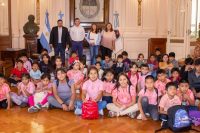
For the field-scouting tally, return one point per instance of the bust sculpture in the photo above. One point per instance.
(31, 28)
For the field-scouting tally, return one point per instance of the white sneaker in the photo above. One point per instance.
(101, 112)
(147, 114)
(78, 111)
(139, 117)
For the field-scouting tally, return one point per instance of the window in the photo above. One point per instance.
(195, 18)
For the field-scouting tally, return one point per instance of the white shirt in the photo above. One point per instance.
(59, 34)
(77, 33)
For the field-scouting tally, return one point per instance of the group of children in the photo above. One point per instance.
(123, 87)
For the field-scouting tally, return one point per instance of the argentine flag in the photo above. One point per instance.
(44, 38)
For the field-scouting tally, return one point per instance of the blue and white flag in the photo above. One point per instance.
(60, 15)
(44, 38)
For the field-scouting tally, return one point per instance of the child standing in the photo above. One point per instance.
(100, 71)
(170, 99)
(161, 82)
(43, 90)
(35, 73)
(133, 74)
(92, 89)
(148, 100)
(108, 85)
(45, 64)
(26, 88)
(124, 98)
(144, 72)
(16, 73)
(5, 101)
(185, 94)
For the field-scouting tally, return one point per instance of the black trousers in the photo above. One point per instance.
(105, 51)
(3, 104)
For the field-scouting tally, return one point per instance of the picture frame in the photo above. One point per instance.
(90, 11)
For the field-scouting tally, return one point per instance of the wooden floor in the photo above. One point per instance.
(18, 120)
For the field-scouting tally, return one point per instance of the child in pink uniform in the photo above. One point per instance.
(26, 88)
(170, 99)
(108, 85)
(44, 89)
(185, 94)
(4, 93)
(124, 98)
(92, 89)
(75, 74)
(148, 100)
(133, 74)
(142, 76)
(160, 84)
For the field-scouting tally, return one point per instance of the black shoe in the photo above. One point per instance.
(23, 105)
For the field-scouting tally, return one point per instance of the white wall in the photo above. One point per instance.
(154, 20)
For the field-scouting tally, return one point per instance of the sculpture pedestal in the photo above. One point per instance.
(31, 44)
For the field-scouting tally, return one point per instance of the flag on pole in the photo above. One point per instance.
(60, 15)
(44, 38)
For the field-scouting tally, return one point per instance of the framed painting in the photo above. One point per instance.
(89, 11)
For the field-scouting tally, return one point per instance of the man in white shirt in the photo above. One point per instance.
(59, 40)
(77, 34)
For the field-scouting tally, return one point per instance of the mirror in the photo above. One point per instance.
(4, 21)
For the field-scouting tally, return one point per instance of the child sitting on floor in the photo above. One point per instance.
(43, 90)
(119, 66)
(142, 75)
(107, 62)
(133, 74)
(5, 101)
(35, 73)
(45, 65)
(26, 88)
(124, 98)
(140, 60)
(92, 89)
(175, 75)
(100, 71)
(153, 65)
(73, 57)
(26, 62)
(126, 60)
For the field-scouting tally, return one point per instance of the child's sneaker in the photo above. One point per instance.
(39, 106)
(139, 117)
(101, 112)
(147, 114)
(78, 111)
(132, 115)
(33, 109)
(112, 114)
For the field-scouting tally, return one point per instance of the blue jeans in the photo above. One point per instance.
(78, 46)
(108, 99)
(93, 53)
(101, 105)
(53, 102)
(149, 108)
(59, 49)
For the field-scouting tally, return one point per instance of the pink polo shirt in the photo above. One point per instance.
(161, 86)
(92, 88)
(166, 102)
(108, 86)
(151, 95)
(141, 80)
(75, 75)
(134, 79)
(4, 89)
(189, 93)
(30, 87)
(123, 95)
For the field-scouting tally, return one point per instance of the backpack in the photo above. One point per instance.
(178, 120)
(195, 117)
(90, 110)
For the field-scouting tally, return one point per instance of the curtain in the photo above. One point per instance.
(4, 23)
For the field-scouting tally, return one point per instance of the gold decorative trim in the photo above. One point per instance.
(139, 12)
(176, 40)
(38, 12)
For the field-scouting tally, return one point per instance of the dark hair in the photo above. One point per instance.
(98, 63)
(133, 64)
(92, 68)
(44, 50)
(172, 54)
(46, 75)
(140, 54)
(91, 29)
(2, 76)
(19, 61)
(119, 56)
(183, 81)
(72, 65)
(152, 55)
(76, 19)
(58, 58)
(83, 61)
(125, 53)
(117, 83)
(167, 56)
(189, 61)
(108, 71)
(26, 75)
(59, 20)
(106, 29)
(73, 52)
(60, 69)
(98, 56)
(197, 62)
(35, 63)
(144, 65)
(149, 77)
(175, 70)
(107, 55)
(157, 49)
(160, 71)
(46, 55)
(171, 84)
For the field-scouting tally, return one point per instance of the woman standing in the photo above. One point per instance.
(93, 38)
(108, 41)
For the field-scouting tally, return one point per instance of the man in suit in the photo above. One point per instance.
(59, 40)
